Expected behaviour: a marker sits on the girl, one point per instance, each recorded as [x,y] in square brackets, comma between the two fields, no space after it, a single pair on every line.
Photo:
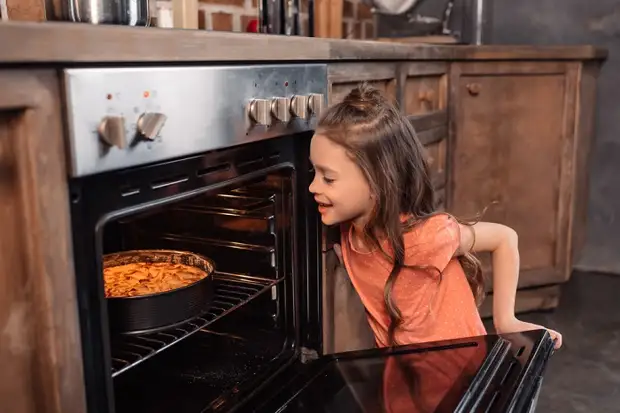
[410,264]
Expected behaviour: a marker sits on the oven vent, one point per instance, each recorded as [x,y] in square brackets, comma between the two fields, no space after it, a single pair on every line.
[223,167]
[129,191]
[250,163]
[231,292]
[266,160]
[166,182]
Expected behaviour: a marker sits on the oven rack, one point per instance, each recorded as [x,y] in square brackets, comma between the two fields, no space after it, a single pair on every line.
[231,292]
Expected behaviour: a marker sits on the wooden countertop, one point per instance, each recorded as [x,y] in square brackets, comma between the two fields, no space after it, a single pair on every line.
[60,43]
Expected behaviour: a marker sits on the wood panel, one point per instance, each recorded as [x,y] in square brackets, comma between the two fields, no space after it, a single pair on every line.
[40,354]
[436,157]
[512,137]
[428,121]
[343,77]
[584,137]
[424,87]
[91,43]
[26,10]
[328,18]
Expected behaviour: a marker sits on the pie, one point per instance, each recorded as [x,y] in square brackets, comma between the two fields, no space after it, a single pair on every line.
[142,278]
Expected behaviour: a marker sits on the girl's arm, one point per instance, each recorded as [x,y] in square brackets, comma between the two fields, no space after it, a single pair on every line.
[502,242]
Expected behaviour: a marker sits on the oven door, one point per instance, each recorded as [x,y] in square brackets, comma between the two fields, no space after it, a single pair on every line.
[487,373]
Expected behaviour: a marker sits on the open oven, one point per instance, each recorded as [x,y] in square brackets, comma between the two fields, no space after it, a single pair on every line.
[214,161]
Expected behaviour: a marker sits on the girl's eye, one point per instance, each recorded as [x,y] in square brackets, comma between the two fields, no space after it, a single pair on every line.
[328,181]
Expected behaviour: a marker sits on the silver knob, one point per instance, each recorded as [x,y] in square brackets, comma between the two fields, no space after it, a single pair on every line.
[299,106]
[281,109]
[315,104]
[112,131]
[260,111]
[150,124]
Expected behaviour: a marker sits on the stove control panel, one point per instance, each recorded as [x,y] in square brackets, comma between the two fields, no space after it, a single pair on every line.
[125,117]
[285,109]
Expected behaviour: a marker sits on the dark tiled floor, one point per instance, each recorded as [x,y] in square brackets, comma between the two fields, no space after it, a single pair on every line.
[584,376]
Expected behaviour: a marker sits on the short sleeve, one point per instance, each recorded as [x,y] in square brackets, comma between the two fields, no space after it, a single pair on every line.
[433,243]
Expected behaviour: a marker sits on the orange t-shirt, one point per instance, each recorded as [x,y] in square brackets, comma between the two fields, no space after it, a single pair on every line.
[433,307]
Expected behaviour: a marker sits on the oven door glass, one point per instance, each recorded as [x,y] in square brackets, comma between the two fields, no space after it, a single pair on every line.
[486,374]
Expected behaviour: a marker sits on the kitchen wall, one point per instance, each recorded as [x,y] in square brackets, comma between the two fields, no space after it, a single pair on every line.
[234,15]
[582,22]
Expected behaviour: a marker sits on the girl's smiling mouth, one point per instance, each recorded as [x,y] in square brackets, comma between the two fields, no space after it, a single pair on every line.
[323,207]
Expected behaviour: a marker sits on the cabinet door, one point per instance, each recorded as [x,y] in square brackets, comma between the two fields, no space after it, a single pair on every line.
[512,143]
[40,354]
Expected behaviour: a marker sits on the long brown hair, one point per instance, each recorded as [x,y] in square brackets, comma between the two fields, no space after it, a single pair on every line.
[384,145]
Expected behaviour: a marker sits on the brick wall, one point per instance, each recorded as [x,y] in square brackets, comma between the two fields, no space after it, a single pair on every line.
[234,15]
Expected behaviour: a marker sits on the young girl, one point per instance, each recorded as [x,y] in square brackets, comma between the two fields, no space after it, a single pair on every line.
[410,264]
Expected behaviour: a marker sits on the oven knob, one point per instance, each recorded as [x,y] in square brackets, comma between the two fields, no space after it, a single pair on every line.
[315,103]
[260,112]
[299,106]
[281,109]
[149,124]
[112,131]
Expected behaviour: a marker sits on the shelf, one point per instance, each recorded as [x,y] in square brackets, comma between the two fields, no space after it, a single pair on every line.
[231,292]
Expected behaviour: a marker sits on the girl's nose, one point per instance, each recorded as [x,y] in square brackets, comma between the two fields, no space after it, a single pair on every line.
[313,186]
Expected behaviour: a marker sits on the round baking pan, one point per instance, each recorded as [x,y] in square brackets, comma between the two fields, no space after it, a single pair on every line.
[159,311]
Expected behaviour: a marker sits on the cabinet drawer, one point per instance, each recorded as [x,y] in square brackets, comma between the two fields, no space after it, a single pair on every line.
[425,88]
[342,77]
[430,121]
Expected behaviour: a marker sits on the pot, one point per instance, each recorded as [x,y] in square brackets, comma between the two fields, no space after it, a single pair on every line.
[122,12]
[160,311]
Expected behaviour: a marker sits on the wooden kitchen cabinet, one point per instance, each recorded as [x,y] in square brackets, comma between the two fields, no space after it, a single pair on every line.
[517,139]
[40,354]
[342,77]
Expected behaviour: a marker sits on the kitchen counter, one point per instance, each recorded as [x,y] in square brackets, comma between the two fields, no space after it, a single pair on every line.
[60,43]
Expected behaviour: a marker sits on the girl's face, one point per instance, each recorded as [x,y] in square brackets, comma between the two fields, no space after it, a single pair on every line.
[339,186]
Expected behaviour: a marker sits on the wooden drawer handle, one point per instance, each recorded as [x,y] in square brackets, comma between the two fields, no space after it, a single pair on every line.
[473,88]
[427,95]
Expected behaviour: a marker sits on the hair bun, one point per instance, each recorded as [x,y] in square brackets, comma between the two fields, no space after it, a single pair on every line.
[364,97]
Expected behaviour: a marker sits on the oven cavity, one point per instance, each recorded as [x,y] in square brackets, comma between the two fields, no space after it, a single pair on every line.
[247,230]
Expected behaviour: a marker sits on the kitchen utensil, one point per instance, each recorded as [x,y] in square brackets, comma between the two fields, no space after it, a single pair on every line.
[159,311]
[122,12]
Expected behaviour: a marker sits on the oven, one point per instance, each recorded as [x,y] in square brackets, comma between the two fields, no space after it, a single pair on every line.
[213,160]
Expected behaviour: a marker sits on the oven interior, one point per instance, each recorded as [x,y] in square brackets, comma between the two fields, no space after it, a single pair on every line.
[244,209]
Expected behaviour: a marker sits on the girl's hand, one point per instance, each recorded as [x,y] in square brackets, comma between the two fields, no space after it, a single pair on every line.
[514,326]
